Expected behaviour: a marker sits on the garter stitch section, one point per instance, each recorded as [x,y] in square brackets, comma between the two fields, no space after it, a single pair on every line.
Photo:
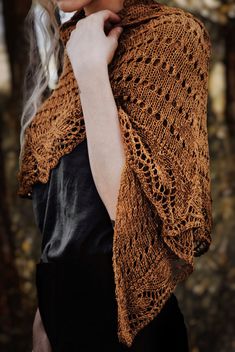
[159,78]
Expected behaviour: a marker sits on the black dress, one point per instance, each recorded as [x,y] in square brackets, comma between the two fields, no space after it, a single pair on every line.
[74,277]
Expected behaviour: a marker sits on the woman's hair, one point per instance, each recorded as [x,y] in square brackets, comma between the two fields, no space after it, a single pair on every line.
[42,26]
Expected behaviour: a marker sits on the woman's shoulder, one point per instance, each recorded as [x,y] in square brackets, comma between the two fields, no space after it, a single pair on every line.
[169,25]
[177,18]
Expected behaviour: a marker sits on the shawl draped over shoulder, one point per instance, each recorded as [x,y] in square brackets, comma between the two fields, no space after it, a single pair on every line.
[159,78]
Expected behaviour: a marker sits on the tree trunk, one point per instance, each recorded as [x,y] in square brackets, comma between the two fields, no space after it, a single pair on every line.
[10,296]
[14,16]
[230,76]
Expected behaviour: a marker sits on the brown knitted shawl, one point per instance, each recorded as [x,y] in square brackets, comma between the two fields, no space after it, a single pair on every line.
[159,78]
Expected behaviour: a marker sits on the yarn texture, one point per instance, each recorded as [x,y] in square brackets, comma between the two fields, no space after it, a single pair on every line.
[159,78]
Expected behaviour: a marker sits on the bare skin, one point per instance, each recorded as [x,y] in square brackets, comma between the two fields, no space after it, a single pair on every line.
[95,51]
[40,339]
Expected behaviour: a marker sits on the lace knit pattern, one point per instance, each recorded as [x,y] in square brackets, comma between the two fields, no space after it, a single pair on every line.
[159,78]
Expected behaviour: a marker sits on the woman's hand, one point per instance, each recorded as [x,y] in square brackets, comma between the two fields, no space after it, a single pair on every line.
[40,339]
[89,45]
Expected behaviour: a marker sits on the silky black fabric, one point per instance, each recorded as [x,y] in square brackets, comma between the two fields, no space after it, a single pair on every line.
[79,311]
[75,278]
[69,211]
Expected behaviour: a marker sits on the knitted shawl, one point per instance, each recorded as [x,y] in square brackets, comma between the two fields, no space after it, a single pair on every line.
[159,79]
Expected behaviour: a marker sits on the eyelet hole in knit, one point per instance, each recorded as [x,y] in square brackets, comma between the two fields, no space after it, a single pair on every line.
[156,62]
[129,78]
[158,116]
[177,76]
[167,96]
[119,78]
[149,40]
[148,60]
[189,90]
[139,59]
[168,40]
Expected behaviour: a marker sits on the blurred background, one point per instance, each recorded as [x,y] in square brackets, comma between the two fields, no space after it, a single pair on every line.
[207,298]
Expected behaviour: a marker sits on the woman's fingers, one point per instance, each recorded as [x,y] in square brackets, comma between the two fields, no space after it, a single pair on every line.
[104,18]
[109,15]
[115,33]
[93,44]
[108,20]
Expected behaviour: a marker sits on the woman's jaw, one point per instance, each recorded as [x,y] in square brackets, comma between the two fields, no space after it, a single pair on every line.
[72,5]
[89,6]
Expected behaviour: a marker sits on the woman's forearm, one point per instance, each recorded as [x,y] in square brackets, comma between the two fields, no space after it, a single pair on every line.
[105,146]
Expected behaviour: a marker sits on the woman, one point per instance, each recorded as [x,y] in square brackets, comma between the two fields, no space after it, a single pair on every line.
[75,208]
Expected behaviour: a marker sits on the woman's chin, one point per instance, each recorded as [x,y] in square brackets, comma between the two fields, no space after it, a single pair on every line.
[67,6]
[70,5]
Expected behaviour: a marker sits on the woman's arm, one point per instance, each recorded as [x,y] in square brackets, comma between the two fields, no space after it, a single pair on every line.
[90,51]
[40,339]
[105,147]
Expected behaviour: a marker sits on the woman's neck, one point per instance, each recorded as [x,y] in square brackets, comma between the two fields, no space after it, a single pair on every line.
[98,5]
